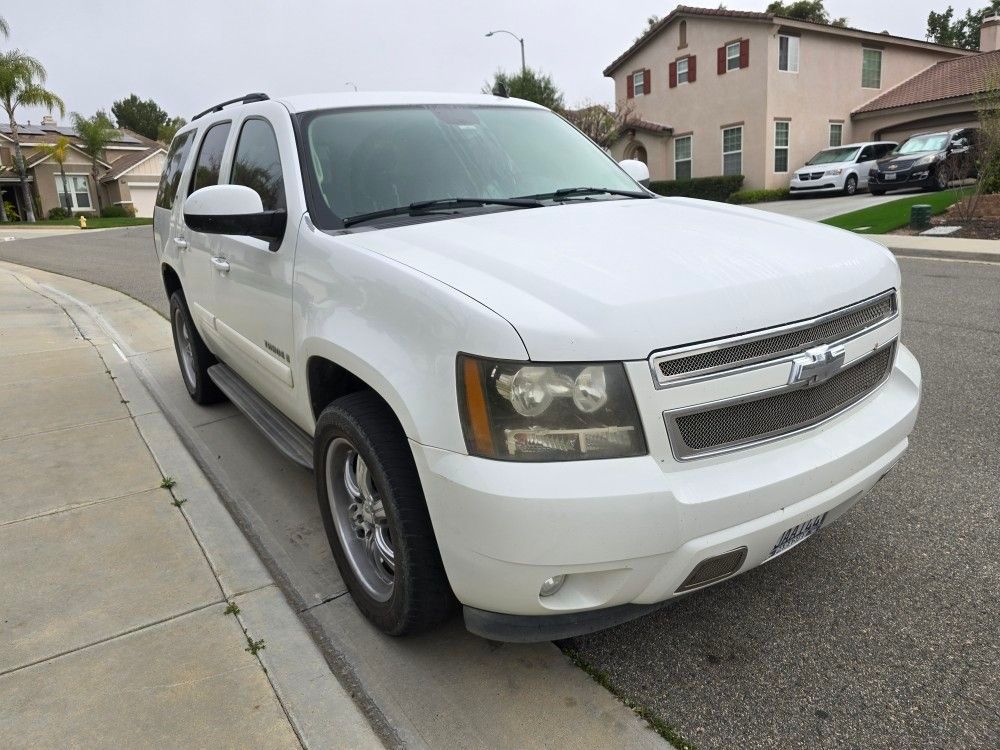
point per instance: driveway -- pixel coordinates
(818, 209)
(880, 632)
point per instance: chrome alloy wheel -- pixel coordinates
(360, 519)
(185, 347)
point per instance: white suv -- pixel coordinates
(523, 381)
(842, 169)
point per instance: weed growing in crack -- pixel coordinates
(255, 646)
(167, 483)
(178, 502)
(232, 609)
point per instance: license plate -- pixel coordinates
(797, 535)
(890, 175)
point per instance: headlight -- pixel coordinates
(525, 411)
(929, 159)
(833, 172)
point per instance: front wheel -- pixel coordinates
(851, 185)
(376, 518)
(942, 179)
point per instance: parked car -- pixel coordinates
(524, 382)
(841, 169)
(929, 161)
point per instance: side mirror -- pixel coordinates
(232, 209)
(636, 170)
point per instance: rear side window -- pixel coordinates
(206, 169)
(170, 180)
(257, 164)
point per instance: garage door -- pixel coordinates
(143, 197)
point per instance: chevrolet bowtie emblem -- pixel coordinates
(817, 365)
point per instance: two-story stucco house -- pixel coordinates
(128, 171)
(715, 91)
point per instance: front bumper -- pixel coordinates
(918, 177)
(832, 184)
(629, 531)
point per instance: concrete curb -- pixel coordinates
(939, 248)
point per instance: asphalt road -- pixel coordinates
(880, 632)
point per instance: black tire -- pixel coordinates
(199, 385)
(941, 179)
(851, 185)
(876, 191)
(419, 596)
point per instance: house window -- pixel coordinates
(733, 56)
(871, 69)
(78, 197)
(732, 151)
(788, 53)
(639, 83)
(682, 42)
(682, 70)
(682, 158)
(781, 133)
(836, 134)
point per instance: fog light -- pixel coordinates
(552, 585)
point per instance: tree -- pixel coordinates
(532, 85)
(144, 117)
(58, 152)
(169, 129)
(805, 10)
(22, 83)
(963, 32)
(599, 123)
(95, 134)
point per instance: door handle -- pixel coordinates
(181, 243)
(221, 265)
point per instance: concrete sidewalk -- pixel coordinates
(133, 611)
(946, 248)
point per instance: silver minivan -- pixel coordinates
(840, 169)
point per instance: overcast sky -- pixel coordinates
(188, 55)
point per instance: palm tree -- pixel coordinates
(22, 80)
(58, 152)
(4, 28)
(95, 133)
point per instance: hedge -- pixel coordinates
(706, 188)
(759, 196)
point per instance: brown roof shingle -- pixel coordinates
(123, 164)
(748, 15)
(948, 79)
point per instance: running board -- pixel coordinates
(287, 436)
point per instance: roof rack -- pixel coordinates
(249, 98)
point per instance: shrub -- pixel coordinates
(58, 213)
(118, 211)
(11, 210)
(706, 188)
(759, 196)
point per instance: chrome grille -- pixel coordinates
(748, 349)
(753, 420)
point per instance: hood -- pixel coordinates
(813, 168)
(617, 280)
(902, 161)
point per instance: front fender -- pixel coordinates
(395, 328)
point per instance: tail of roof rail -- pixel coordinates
(247, 99)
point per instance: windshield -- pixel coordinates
(834, 155)
(921, 143)
(374, 159)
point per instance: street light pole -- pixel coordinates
(520, 40)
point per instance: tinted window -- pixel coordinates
(257, 164)
(170, 180)
(867, 154)
(206, 169)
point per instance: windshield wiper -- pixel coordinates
(573, 192)
(421, 207)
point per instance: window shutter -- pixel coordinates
(692, 68)
(722, 60)
(647, 86)
(673, 75)
(744, 53)
(630, 87)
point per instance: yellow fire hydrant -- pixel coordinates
(83, 221)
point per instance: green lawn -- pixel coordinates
(893, 215)
(92, 223)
